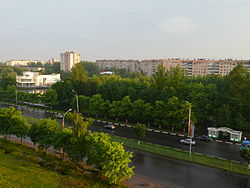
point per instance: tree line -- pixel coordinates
(216, 100)
(109, 157)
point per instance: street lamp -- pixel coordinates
(77, 102)
(190, 128)
(64, 117)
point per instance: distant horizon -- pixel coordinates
(167, 58)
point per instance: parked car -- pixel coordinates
(109, 126)
(187, 141)
(204, 138)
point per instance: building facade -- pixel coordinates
(33, 79)
(68, 60)
(195, 67)
(21, 62)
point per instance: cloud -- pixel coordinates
(180, 25)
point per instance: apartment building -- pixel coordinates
(195, 67)
(68, 60)
(33, 79)
(148, 67)
(21, 62)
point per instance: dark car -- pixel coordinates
(204, 138)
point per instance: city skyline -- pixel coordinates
(114, 29)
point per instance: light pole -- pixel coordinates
(16, 96)
(64, 117)
(190, 128)
(77, 103)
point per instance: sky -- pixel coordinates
(125, 29)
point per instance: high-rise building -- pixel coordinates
(68, 60)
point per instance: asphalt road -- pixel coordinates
(170, 172)
(178, 174)
(223, 150)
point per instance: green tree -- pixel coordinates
(62, 139)
(34, 133)
(12, 122)
(46, 131)
(139, 131)
(109, 157)
(245, 154)
(50, 98)
(80, 126)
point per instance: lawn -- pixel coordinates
(23, 167)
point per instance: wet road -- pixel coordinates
(178, 174)
(223, 150)
(170, 172)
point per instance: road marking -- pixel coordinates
(229, 142)
(172, 133)
(157, 131)
(221, 158)
(210, 156)
(235, 161)
(181, 135)
(218, 140)
(238, 144)
(116, 123)
(198, 153)
(149, 129)
(122, 125)
(164, 132)
(128, 125)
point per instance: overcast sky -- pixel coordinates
(125, 29)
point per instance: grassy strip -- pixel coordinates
(184, 155)
(22, 166)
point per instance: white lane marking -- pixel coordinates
(157, 131)
(238, 144)
(122, 125)
(164, 132)
(181, 135)
(128, 125)
(149, 129)
(218, 140)
(229, 142)
(172, 133)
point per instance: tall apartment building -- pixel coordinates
(68, 60)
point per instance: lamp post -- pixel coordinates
(77, 102)
(190, 128)
(16, 96)
(64, 117)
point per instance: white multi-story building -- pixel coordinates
(68, 60)
(33, 79)
(21, 62)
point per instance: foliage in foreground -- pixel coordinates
(110, 158)
(23, 167)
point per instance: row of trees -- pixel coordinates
(109, 157)
(167, 114)
(216, 100)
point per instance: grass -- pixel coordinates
(184, 155)
(24, 167)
